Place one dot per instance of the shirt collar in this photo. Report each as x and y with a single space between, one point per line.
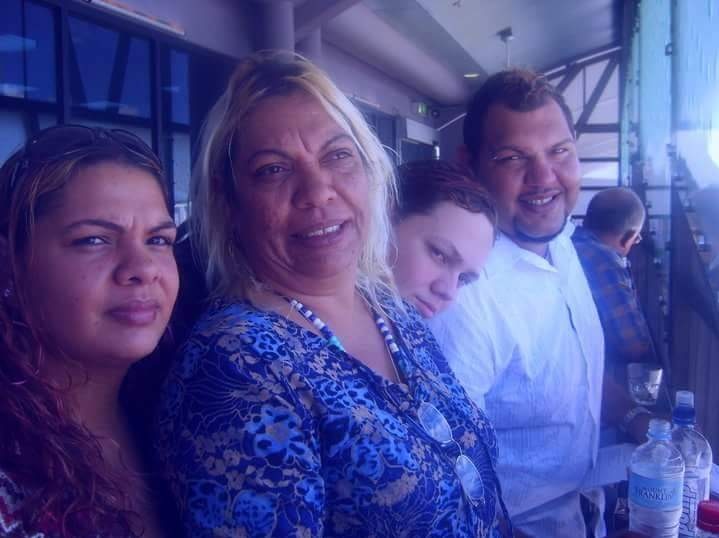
507 254
583 234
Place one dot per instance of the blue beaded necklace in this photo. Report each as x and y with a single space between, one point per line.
395 354
332 339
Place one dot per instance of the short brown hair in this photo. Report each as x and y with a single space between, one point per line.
424 184
518 90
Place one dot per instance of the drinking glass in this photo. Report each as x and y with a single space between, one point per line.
644 380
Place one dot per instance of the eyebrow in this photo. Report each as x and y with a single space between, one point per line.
285 155
452 250
497 149
102 223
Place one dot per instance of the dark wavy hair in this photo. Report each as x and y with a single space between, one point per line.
71 490
424 184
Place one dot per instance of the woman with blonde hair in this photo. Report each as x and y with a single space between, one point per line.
88 282
309 400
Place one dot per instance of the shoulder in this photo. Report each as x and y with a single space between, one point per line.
475 311
590 249
234 328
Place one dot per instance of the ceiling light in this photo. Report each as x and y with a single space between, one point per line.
471 75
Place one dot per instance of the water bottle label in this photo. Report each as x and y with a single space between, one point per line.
695 490
655 493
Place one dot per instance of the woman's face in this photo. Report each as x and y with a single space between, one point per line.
303 195
102 277
438 252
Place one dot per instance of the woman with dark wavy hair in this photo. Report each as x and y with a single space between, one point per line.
87 284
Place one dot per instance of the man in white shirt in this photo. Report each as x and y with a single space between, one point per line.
526 342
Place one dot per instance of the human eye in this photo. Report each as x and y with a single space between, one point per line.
269 171
161 240
465 279
438 255
339 156
561 151
90 241
509 158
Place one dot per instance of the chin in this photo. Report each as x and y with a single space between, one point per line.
131 351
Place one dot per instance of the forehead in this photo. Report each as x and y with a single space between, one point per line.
110 187
277 120
506 126
448 220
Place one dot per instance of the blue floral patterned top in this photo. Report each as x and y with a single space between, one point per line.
266 430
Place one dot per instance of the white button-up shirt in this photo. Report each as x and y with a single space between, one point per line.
527 344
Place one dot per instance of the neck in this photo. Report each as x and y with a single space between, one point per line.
333 293
540 249
327 304
92 395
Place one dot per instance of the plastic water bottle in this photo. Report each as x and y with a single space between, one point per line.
656 475
697 456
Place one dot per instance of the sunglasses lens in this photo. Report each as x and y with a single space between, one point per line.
64 140
434 423
59 140
470 478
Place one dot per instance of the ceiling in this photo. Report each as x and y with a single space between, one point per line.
462 37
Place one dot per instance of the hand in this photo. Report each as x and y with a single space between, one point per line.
639 426
637 429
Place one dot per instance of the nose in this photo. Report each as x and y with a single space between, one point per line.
315 186
136 266
541 171
445 286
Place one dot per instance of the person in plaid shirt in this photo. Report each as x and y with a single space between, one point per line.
611 228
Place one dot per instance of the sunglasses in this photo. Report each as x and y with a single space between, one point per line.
62 141
436 426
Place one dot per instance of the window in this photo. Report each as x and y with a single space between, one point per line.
27 72
109 71
112 81
27 51
176 145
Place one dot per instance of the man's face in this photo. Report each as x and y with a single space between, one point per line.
528 161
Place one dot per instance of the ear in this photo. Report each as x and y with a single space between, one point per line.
628 235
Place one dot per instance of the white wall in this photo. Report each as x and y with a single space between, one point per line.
366 83
221 25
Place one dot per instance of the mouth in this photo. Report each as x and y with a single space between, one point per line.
136 313
539 202
321 234
426 310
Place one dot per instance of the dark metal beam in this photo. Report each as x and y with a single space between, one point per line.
570 75
119 68
592 57
599 159
312 14
63 61
596 95
600 128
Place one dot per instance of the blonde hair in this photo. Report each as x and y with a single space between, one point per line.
212 192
